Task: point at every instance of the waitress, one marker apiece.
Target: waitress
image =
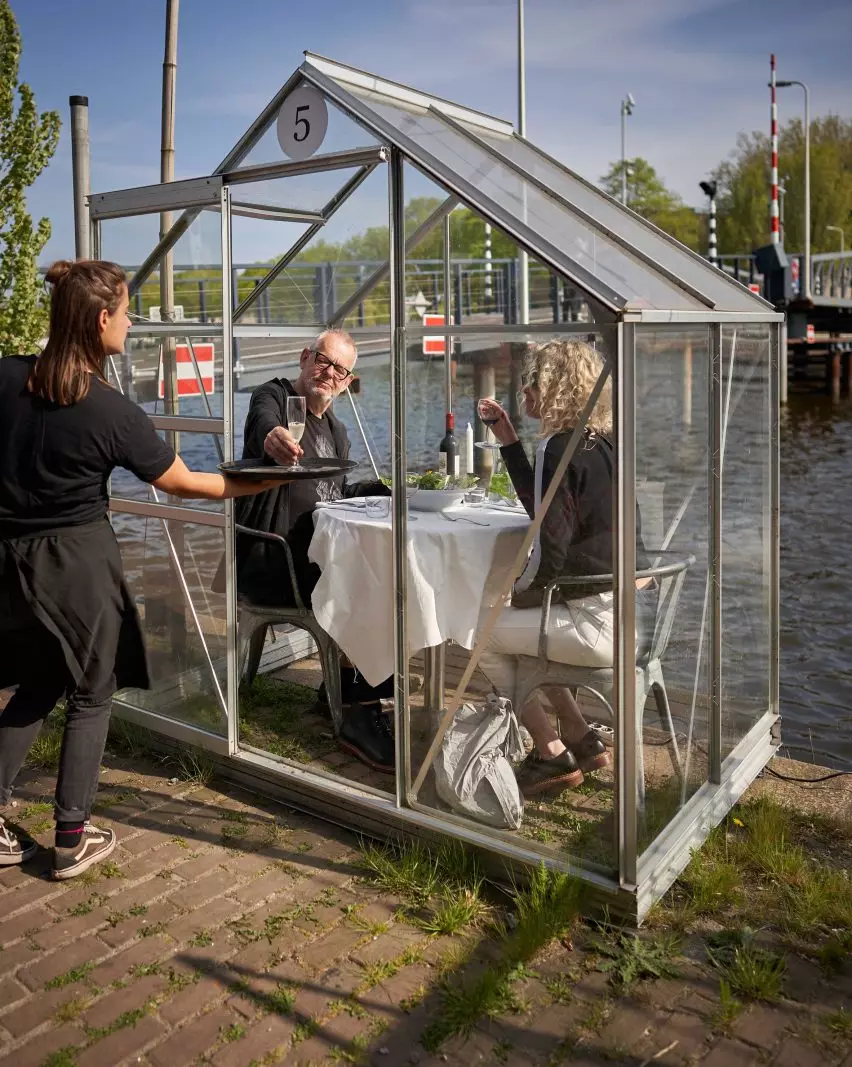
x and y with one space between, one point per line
68 625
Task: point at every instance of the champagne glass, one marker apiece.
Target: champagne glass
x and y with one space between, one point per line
296 418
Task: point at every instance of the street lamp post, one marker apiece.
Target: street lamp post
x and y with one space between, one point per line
627 105
837 229
786 85
709 189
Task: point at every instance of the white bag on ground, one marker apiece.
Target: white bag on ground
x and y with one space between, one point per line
473 772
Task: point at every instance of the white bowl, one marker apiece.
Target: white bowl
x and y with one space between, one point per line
435 499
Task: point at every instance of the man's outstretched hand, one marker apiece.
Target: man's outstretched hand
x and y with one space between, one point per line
282 446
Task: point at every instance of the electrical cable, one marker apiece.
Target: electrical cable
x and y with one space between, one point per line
806 781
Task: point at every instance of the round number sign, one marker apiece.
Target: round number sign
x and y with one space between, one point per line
302 122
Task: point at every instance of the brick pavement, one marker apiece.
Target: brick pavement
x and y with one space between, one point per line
235 932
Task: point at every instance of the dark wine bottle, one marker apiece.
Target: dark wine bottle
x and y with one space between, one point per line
448 450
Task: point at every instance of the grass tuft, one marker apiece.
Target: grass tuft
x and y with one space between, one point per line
749 970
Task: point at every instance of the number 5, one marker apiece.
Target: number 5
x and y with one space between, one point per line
302 122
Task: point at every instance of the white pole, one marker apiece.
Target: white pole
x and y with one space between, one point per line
523 259
807 191
489 287
623 153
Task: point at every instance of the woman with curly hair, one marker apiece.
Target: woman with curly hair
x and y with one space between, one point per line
575 538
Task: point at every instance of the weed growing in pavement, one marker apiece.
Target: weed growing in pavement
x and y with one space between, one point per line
38 807
454 913
41 827
126 1019
280 1000
76 974
417 873
840 1023
749 970
152 930
546 908
130 740
305 1029
71 1009
195 766
233 1032
628 958
109 870
202 939
87 906
44 751
560 988
63 1057
729 1007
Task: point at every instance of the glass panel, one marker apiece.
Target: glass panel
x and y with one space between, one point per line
552 222
341 134
609 213
138 372
329 269
182 637
460 566
484 267
278 712
746 541
672 367
196 260
198 451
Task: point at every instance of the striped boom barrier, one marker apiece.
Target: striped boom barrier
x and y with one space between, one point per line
773 204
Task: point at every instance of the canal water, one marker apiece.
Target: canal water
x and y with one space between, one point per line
816 505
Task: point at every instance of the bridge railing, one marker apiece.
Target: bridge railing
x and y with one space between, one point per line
311 292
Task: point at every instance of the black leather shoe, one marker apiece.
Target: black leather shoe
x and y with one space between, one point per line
591 753
366 733
536 775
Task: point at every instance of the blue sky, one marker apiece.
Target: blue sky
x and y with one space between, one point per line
697 68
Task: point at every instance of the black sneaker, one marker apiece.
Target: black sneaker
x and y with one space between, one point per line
536 775
95 845
15 847
591 753
366 733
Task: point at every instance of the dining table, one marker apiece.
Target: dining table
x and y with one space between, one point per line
458 563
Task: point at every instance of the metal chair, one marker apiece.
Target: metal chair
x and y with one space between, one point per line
253 620
537 671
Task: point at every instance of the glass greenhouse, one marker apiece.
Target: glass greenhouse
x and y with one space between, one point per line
446 245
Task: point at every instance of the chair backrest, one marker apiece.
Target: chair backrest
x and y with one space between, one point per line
669 569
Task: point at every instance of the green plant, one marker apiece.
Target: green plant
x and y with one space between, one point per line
628 958
71 1009
39 807
280 1000
196 766
749 970
27 142
202 939
729 1007
233 1032
63 1057
840 1022
76 974
454 913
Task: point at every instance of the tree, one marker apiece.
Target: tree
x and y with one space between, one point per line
27 142
648 196
743 198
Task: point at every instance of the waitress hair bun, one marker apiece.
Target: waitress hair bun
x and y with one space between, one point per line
57 271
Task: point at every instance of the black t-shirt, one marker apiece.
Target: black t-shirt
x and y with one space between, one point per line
55 461
317 441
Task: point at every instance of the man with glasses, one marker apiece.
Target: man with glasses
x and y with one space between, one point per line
325 370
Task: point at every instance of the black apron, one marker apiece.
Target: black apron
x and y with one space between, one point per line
70 582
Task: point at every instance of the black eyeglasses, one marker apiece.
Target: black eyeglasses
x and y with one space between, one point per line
322 361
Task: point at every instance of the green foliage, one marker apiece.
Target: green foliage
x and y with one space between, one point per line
628 958
648 196
743 197
27 142
749 970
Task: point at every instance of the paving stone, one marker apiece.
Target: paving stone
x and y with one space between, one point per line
271 884
191 1041
19 955
135 995
40 1008
691 1033
795 1053
208 888
267 1034
210 917
131 927
763 1025
200 865
34 918
11 992
194 999
330 947
146 951
117 1047
36 1051
729 1053
86 950
387 946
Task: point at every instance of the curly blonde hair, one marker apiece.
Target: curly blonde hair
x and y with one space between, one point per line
565 372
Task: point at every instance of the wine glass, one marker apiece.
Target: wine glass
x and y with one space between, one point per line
296 418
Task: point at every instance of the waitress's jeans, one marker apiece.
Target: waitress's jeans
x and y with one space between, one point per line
86 724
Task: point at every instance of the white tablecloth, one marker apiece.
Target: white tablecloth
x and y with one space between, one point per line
451 567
